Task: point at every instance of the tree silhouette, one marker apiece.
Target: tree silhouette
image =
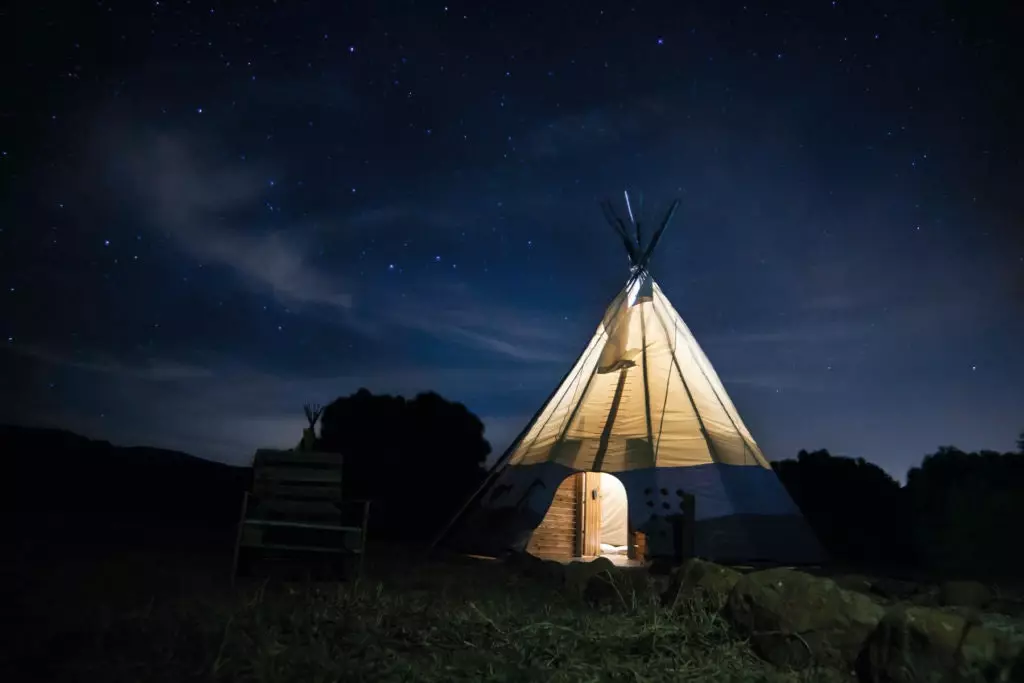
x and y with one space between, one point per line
1020 442
417 460
855 507
966 508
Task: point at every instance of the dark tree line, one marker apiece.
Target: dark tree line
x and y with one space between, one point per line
418 460
958 513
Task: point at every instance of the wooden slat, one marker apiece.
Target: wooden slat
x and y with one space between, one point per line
554 542
265 457
591 513
302 525
566 513
266 489
641 546
284 474
565 548
310 548
298 508
565 544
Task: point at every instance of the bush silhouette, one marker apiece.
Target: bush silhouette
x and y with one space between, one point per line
966 509
855 508
417 460
957 515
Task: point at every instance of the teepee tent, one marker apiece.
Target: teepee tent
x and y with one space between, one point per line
643 406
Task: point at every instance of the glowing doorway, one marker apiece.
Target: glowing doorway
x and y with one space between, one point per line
614 531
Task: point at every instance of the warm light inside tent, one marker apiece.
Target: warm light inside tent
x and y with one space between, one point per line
614 516
588 516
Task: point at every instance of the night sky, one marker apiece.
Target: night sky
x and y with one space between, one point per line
211 215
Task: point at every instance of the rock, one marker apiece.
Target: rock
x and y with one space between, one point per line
797 620
661 566
855 582
927 645
579 574
896 589
698 578
533 567
965 594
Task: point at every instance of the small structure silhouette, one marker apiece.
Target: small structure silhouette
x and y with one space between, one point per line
313 412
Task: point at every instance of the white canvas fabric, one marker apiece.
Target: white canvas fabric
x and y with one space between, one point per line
614 513
643 394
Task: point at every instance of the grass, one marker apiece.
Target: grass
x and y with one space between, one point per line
442 621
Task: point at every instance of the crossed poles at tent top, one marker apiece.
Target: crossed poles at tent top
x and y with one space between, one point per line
639 256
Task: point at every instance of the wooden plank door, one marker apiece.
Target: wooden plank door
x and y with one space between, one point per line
558 535
591 522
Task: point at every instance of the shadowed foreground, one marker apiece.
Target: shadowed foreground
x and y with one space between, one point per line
161 618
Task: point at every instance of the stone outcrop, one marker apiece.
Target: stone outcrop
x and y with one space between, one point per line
797 620
701 579
927 645
965 594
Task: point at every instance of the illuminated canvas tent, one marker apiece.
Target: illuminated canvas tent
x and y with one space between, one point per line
639 421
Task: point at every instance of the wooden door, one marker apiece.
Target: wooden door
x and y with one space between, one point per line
591 524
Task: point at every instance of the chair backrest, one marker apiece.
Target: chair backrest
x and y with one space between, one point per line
297 483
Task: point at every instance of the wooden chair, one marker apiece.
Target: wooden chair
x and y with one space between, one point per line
296 507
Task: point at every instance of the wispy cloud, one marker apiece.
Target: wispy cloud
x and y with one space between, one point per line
224 410
201 203
456 314
151 369
188 197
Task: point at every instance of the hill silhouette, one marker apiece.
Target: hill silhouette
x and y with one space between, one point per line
419 458
66 487
416 459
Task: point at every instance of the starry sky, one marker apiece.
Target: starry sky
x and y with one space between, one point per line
215 212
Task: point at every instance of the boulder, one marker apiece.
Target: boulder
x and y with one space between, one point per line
927 645
897 589
578 575
855 582
797 620
965 594
534 567
701 579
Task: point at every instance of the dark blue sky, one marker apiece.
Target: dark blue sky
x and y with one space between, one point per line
211 216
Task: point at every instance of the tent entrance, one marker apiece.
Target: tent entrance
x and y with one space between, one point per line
588 517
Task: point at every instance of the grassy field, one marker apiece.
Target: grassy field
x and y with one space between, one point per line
170 616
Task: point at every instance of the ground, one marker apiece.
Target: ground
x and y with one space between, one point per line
170 615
